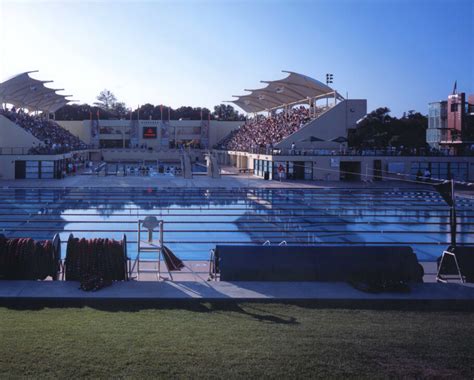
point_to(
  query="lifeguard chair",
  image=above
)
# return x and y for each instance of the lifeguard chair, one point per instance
(152, 244)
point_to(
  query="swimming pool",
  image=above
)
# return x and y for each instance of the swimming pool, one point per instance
(196, 219)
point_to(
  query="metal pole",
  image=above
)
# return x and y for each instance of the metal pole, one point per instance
(160, 249)
(137, 259)
(453, 216)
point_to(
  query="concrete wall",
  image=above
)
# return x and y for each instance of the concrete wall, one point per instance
(7, 163)
(7, 167)
(220, 129)
(328, 167)
(80, 129)
(332, 124)
(14, 136)
(124, 155)
(217, 130)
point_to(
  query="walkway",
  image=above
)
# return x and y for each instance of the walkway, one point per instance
(432, 296)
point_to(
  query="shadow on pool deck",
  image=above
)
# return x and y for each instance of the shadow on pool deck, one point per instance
(134, 295)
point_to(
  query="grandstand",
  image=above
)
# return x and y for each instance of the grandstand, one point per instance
(41, 148)
(23, 91)
(52, 137)
(26, 93)
(296, 110)
(296, 123)
(296, 115)
(301, 125)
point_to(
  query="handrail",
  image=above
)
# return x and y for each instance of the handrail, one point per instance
(343, 153)
(212, 264)
(257, 226)
(25, 151)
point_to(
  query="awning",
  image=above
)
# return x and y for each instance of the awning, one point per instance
(25, 92)
(292, 89)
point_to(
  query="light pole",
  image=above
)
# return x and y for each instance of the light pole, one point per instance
(329, 80)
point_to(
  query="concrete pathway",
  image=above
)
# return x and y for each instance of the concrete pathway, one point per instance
(226, 181)
(437, 296)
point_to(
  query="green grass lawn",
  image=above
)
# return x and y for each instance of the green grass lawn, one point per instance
(241, 340)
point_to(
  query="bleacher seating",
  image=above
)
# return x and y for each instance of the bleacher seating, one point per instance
(54, 138)
(263, 131)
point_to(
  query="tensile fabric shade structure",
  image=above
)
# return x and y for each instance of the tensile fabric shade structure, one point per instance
(290, 90)
(24, 91)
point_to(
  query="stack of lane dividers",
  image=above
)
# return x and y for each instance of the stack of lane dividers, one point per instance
(27, 259)
(96, 263)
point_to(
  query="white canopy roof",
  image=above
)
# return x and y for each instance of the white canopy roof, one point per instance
(23, 91)
(294, 88)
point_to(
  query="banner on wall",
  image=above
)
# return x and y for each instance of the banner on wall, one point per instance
(150, 133)
(94, 132)
(205, 133)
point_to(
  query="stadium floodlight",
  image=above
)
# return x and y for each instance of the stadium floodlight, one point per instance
(329, 78)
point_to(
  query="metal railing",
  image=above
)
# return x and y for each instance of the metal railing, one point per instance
(20, 151)
(350, 152)
(289, 222)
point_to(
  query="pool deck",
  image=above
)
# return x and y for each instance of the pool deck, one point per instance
(191, 286)
(62, 293)
(199, 181)
(231, 181)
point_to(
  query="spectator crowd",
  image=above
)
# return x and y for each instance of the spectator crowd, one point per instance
(264, 131)
(53, 137)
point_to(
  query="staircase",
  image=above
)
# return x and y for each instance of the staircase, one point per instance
(213, 169)
(186, 165)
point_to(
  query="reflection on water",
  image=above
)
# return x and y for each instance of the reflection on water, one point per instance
(197, 219)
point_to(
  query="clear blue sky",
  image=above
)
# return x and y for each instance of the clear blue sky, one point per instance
(400, 54)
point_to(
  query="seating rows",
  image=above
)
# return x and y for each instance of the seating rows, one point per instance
(263, 131)
(54, 138)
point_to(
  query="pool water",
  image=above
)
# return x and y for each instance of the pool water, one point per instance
(196, 219)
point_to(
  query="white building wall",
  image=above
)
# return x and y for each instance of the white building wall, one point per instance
(220, 129)
(332, 124)
(79, 129)
(14, 136)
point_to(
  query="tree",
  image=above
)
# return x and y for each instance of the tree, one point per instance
(74, 112)
(147, 111)
(468, 132)
(227, 112)
(110, 108)
(379, 130)
(106, 100)
(120, 110)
